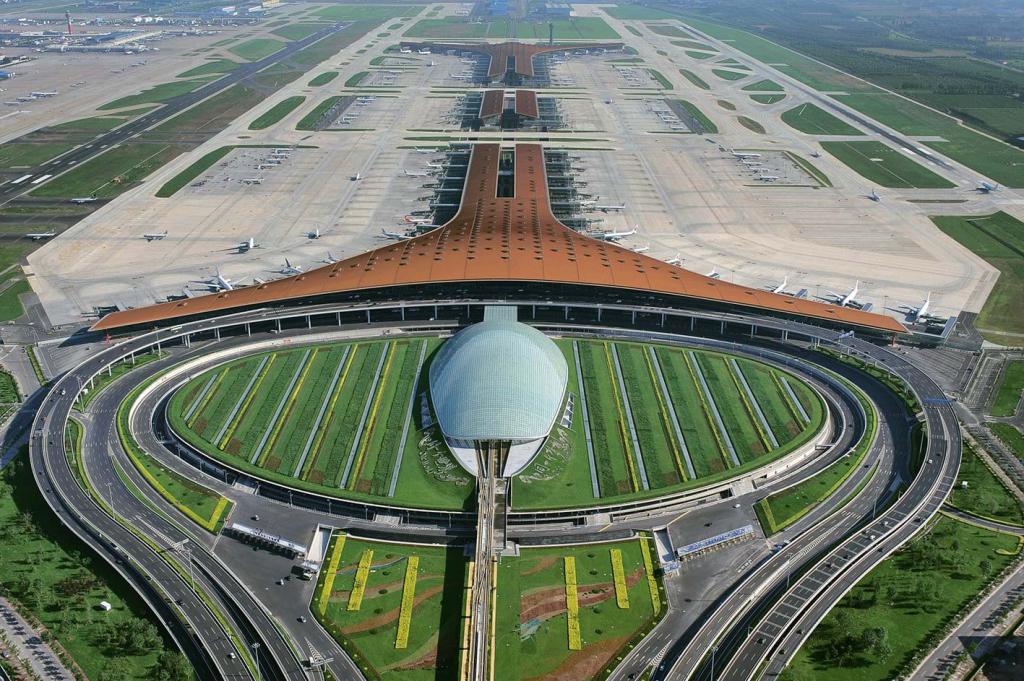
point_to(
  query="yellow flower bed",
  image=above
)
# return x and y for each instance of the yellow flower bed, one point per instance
(621, 589)
(408, 593)
(355, 599)
(332, 569)
(633, 479)
(572, 604)
(652, 583)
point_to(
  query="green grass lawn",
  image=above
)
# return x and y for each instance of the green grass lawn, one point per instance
(323, 79)
(909, 596)
(984, 494)
(1010, 436)
(999, 239)
(369, 634)
(218, 111)
(309, 121)
(729, 75)
(190, 173)
(111, 173)
(995, 159)
(356, 78)
(212, 67)
(693, 45)
(276, 112)
(582, 28)
(885, 166)
(636, 13)
(699, 116)
(157, 93)
(670, 31)
(20, 154)
(816, 121)
(696, 54)
(256, 48)
(664, 82)
(578, 28)
(97, 124)
(360, 12)
(9, 393)
(751, 125)
(1011, 385)
(726, 104)
(695, 79)
(59, 581)
(10, 301)
(297, 31)
(454, 28)
(531, 621)
(767, 99)
(764, 86)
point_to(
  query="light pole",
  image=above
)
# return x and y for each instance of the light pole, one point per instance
(256, 654)
(110, 497)
(714, 649)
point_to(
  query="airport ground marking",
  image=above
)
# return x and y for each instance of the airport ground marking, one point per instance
(408, 419)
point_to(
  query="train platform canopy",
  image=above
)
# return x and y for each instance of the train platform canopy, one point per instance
(498, 381)
(512, 239)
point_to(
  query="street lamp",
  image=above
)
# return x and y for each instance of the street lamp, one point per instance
(256, 654)
(714, 649)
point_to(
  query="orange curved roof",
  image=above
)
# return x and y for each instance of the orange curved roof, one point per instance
(522, 52)
(494, 238)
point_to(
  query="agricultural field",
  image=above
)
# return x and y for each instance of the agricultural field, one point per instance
(816, 121)
(885, 166)
(999, 239)
(395, 608)
(539, 633)
(346, 419)
(902, 602)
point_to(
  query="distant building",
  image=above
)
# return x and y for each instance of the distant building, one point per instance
(553, 10)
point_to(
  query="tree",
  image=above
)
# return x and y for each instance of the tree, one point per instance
(172, 666)
(985, 566)
(115, 670)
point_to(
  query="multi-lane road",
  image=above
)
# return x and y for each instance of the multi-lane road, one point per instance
(32, 178)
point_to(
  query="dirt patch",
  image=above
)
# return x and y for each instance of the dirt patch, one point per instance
(543, 604)
(391, 615)
(423, 658)
(584, 664)
(542, 564)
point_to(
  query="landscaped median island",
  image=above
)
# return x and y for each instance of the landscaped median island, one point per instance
(1008, 393)
(885, 166)
(355, 420)
(899, 611)
(275, 113)
(979, 492)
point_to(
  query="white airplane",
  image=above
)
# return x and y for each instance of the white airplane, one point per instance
(613, 235)
(52, 93)
(713, 274)
(611, 208)
(330, 259)
(252, 180)
(410, 220)
(874, 196)
(641, 249)
(39, 236)
(767, 178)
(781, 288)
(397, 236)
(848, 300)
(426, 150)
(158, 236)
(405, 50)
(84, 199)
(357, 177)
(920, 312)
(425, 50)
(415, 173)
(675, 261)
(745, 154)
(217, 283)
(247, 245)
(289, 268)
(986, 187)
(315, 233)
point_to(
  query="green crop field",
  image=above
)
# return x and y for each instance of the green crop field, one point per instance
(257, 48)
(999, 239)
(1010, 436)
(980, 492)
(905, 599)
(331, 419)
(532, 621)
(695, 79)
(1008, 394)
(699, 116)
(276, 112)
(816, 121)
(434, 575)
(885, 166)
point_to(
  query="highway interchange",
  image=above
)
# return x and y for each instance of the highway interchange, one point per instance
(819, 568)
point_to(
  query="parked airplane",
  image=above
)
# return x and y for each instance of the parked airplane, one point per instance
(330, 259)
(247, 245)
(675, 261)
(874, 196)
(252, 180)
(315, 233)
(713, 274)
(986, 187)
(289, 268)
(426, 150)
(397, 236)
(611, 208)
(641, 249)
(38, 236)
(405, 50)
(414, 173)
(84, 199)
(425, 50)
(357, 177)
(410, 220)
(848, 300)
(158, 236)
(613, 235)
(781, 288)
(767, 178)
(217, 283)
(920, 313)
(745, 154)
